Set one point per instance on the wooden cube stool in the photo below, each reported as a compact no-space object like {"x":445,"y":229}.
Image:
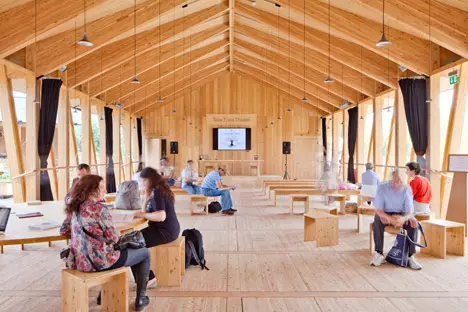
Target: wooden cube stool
{"x":114,"y":289}
{"x":340,"y":198}
{"x":423,"y":217}
{"x":444,"y":237}
{"x":168,"y":262}
{"x":324,"y":209}
{"x":388,"y":229}
{"x":299,"y":198}
{"x":363,"y":210}
{"x":321,"y":227}
{"x":198,"y":199}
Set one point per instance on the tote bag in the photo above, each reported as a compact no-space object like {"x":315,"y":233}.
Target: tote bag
{"x":398,"y":255}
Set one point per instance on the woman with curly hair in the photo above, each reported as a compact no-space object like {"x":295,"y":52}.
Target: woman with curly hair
{"x":92,"y":236}
{"x":163,"y":225}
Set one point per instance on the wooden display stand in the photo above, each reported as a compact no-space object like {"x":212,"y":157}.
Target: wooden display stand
{"x":457,"y":209}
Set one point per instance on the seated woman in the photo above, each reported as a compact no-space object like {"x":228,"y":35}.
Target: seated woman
{"x":163,"y":226}
{"x":88,"y":222}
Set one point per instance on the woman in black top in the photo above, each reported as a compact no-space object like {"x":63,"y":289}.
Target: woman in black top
{"x":163,"y":225}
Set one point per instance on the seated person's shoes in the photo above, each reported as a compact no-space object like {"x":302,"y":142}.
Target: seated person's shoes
{"x":227,"y":212}
{"x":377,"y":260}
{"x":141,"y":303}
{"x":413,"y":264}
{"x":233,"y":210}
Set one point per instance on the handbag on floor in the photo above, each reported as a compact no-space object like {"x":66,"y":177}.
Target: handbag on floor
{"x":399,"y":253}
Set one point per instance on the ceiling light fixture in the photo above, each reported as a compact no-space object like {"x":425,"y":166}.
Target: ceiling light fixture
{"x":383,"y":41}
{"x":429,"y":96}
{"x":85,"y":42}
{"x":36,"y":91}
{"x":329,"y":78}
{"x":135,"y":79}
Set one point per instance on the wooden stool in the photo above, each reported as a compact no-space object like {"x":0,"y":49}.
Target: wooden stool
{"x":198,"y":199}
{"x":363,"y":210}
{"x":299,"y":198}
{"x":444,"y":237}
{"x":340,"y":198}
{"x":389,"y":229}
{"x":324,"y":209}
{"x":168,"y":262}
{"x":114,"y":289}
{"x":321,"y":227}
{"x":423,"y":217}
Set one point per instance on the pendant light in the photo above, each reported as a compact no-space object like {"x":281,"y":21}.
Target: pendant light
{"x":277,"y":66}
{"x":429,"y":96}
{"x":174,"y":110}
{"x":329,"y":78}
{"x":383,"y":41}
{"x":36,"y":91}
{"x":85,"y":42}
{"x":135,"y":79}
{"x":289,"y":58}
{"x":159,"y":99}
{"x":304,"y":99}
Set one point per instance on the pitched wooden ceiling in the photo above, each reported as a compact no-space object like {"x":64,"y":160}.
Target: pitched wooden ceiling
{"x":180,"y":44}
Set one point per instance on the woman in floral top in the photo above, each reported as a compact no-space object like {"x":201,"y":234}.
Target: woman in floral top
{"x":92,"y":236}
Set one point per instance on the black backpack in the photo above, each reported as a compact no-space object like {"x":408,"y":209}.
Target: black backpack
{"x":194,"y":252}
{"x":214,"y":207}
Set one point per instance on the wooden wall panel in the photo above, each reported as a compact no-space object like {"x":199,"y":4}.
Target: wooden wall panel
{"x":232,"y":94}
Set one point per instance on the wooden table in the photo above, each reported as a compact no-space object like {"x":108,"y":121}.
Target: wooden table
{"x":18,"y":233}
{"x":216,"y":163}
{"x":298,"y":191}
{"x":278,"y":181}
{"x":274,"y":187}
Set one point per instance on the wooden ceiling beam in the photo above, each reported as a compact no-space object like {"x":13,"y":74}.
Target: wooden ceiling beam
{"x":180,"y":85}
{"x":110,"y":56}
{"x":297,"y":69}
{"x":314,"y":59}
{"x":60,"y":49}
{"x":151,"y":79}
{"x":406,"y":49}
{"x":267,"y":67}
{"x":281,"y":84}
{"x":17,"y":27}
{"x":345,"y":52}
{"x":123,"y":73}
{"x":449,"y":27}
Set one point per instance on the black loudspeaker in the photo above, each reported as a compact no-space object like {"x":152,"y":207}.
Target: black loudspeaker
{"x":286,"y":148}
{"x":174,"y":148}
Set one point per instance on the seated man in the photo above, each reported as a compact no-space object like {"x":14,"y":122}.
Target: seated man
{"x":189,"y":177}
{"x":167,"y":171}
{"x":211,"y":187}
{"x":421,"y":187}
{"x":81,"y":170}
{"x":370,"y":181}
{"x":394,"y":206}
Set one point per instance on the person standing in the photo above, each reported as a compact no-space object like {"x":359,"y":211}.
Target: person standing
{"x":394,"y":206}
{"x":213,"y":186}
{"x":189,"y":177}
{"x":167,"y":171}
{"x":422,"y":191}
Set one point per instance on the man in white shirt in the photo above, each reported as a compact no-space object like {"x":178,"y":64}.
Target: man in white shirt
{"x":167,"y":171}
{"x":189,"y":178}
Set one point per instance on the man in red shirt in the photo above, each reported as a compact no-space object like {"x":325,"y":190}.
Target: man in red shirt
{"x":422,"y":193}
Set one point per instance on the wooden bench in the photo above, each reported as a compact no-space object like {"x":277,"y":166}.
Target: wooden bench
{"x":178,"y":191}
{"x":364,"y":210}
{"x":339,"y":198}
{"x":298,"y":191}
{"x":321,"y":227}
{"x":388,"y":229}
{"x":444,"y":237}
{"x":268,"y":182}
{"x":363,"y":199}
{"x":299,"y":198}
{"x":114,"y":289}
{"x":274,"y":187}
{"x":168,"y":262}
{"x":198,"y":199}
{"x":423,"y":217}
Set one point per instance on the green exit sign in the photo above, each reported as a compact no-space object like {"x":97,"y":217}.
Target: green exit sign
{"x":453,"y":79}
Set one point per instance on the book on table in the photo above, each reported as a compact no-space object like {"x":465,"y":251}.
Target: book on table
{"x":46,"y":225}
{"x":24,"y":215}
{"x":231,"y":187}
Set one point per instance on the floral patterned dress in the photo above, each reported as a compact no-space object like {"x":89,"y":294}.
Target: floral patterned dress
{"x":88,"y":254}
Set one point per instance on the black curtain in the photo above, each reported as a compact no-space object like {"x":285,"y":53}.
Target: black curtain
{"x":324,"y":137}
{"x":352,"y":135}
{"x":140,"y":140}
{"x":110,"y":175}
{"x":416,"y":109}
{"x":47,"y":120}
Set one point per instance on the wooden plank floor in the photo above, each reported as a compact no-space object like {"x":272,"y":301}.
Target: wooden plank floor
{"x":259,"y":262}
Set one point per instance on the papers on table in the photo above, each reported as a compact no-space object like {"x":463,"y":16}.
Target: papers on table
{"x":232,"y":187}
{"x":42,"y":226}
{"x":122,"y":216}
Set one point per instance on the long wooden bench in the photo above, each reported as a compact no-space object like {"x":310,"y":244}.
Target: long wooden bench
{"x":268,"y":182}
{"x":274,"y":187}
{"x":168,"y":262}
{"x":298,"y":191}
{"x":114,"y":289}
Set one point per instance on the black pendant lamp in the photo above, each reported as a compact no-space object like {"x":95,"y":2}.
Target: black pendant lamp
{"x":383,"y":42}
{"x":85,"y":42}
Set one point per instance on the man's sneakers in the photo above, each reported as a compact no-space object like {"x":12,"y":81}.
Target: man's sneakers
{"x":232,"y":209}
{"x":378,"y":259}
{"x":228,"y":212}
{"x":413,"y":264}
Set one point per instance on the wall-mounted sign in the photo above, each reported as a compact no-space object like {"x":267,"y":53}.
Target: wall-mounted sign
{"x":453,"y":76}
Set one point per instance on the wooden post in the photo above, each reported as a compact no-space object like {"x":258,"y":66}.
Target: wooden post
{"x":389,"y":145}
{"x":127,"y":137}
{"x":32,"y":130}
{"x":344,"y":153}
{"x":11,"y":135}
{"x":102,"y":141}
{"x":117,"y":150}
{"x":336,"y":140}
{"x":53,"y":174}
{"x":400,"y":129}
{"x":134,"y":144}
{"x":74,"y":159}
{"x":64,"y":140}
{"x":377,"y":132}
{"x":86,"y":129}
{"x":434,"y":146}
{"x":362,"y":111}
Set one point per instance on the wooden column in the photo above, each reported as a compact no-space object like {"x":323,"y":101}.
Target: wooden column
{"x":345,"y":152}
{"x":102,"y":141}
{"x":11,"y":135}
{"x":64,"y":140}
{"x":86,"y":134}
{"x":377,"y":136}
{"x":336,"y":140}
{"x":127,"y":137}
{"x":434,"y":145}
{"x":400,"y":129}
{"x":360,"y":158}
{"x":117,"y":149}
{"x":32,"y":129}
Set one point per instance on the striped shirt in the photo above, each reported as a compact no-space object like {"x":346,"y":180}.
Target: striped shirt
{"x":210,"y":180}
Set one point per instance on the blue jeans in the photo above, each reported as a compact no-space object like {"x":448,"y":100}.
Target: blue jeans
{"x":226,"y":201}
{"x":171,"y":182}
{"x":192,"y":189}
